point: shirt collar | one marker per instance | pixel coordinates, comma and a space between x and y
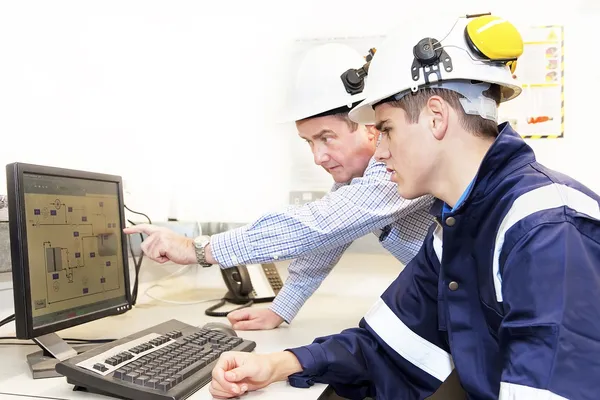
446, 208
508, 147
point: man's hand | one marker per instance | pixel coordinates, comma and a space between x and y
248, 319
164, 245
239, 372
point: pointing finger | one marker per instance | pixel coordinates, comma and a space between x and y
141, 228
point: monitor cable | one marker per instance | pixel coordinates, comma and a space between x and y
6, 320
136, 262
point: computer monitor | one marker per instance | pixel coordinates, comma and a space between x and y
69, 255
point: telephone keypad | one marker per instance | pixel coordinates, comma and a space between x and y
274, 278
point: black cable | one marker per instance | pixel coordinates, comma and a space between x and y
138, 213
76, 340
8, 319
136, 262
211, 313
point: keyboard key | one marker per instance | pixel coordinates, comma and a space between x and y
141, 380
119, 374
111, 361
151, 383
130, 376
174, 334
100, 367
178, 378
172, 382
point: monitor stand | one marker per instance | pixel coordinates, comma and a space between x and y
54, 350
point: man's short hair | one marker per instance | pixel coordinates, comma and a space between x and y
344, 117
413, 104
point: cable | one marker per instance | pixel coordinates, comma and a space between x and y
137, 266
138, 213
8, 319
137, 263
178, 272
211, 313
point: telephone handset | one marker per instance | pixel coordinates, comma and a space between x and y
247, 284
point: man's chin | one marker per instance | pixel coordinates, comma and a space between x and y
407, 193
340, 178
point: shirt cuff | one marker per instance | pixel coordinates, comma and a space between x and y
288, 302
231, 248
313, 361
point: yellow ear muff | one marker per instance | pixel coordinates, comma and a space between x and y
495, 39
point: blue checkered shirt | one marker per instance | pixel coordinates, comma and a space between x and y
316, 234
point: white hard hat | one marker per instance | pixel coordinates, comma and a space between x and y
411, 59
318, 86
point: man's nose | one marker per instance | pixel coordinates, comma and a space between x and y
382, 152
320, 156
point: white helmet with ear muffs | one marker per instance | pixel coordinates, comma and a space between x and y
330, 77
467, 57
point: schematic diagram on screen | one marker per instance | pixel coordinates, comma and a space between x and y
75, 242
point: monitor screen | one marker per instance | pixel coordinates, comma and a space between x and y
72, 264
74, 247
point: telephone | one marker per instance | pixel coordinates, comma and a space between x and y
248, 284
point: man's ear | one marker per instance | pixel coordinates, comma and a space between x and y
438, 112
373, 133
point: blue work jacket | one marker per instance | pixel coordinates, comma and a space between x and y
506, 290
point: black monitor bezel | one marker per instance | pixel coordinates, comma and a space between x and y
20, 257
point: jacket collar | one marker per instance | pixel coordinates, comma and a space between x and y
508, 152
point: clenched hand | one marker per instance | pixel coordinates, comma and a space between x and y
254, 319
238, 372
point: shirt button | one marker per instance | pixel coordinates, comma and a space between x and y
453, 286
275, 256
234, 259
450, 221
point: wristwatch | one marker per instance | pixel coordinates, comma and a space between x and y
200, 244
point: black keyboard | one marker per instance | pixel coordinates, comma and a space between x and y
171, 360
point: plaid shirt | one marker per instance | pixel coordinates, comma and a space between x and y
316, 234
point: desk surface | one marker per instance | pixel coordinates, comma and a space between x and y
356, 282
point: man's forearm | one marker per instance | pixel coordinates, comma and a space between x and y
284, 364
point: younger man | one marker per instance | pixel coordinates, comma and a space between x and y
506, 286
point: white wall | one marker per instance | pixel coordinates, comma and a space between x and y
180, 97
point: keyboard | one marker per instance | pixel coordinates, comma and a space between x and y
171, 360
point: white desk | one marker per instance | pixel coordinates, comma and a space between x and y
356, 282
